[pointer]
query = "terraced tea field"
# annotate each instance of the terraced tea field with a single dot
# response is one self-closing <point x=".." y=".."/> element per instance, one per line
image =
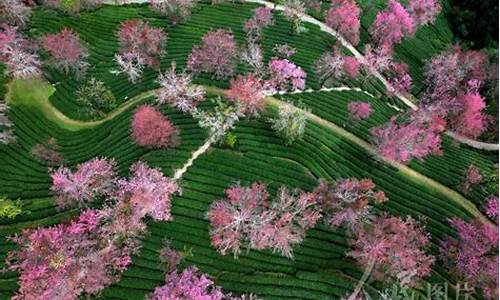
<point x="333" y="147"/>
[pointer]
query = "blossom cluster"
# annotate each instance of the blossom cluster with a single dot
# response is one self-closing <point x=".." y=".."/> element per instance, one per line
<point x="359" y="110"/>
<point x="285" y="75"/>
<point x="261" y="18"/>
<point x="248" y="92"/>
<point x="343" y="16"/>
<point x="149" y="128"/>
<point x="336" y="66"/>
<point x="246" y="218"/>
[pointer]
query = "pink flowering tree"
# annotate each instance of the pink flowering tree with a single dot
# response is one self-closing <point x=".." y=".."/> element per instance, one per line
<point x="177" y="90"/>
<point x="92" y="179"/>
<point x="343" y="17"/>
<point x="48" y="152"/>
<point x="469" y="119"/>
<point x="261" y="18"/>
<point x="391" y="248"/>
<point x="346" y="202"/>
<point x="334" y="66"/>
<point x="14" y="12"/>
<point x="140" y="45"/>
<point x="149" y="128"/>
<point x="177" y="11"/>
<point x="424" y="12"/>
<point x="247" y="92"/>
<point x="472" y="178"/>
<point x="18" y="54"/>
<point x="67" y="260"/>
<point x="216" y="55"/>
<point x="293" y="11"/>
<point x="399" y="78"/>
<point x="6" y="126"/>
<point x="284" y="75"/>
<point x="284" y="51"/>
<point x="473" y="255"/>
<point x="66" y="52"/>
<point x="392" y="25"/>
<point x="359" y="110"/>
<point x="491" y="208"/>
<point x="402" y="142"/>
<point x="247" y="219"/>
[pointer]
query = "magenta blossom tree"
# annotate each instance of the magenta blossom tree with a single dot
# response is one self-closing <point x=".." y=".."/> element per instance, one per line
<point x="343" y="17"/>
<point x="94" y="178"/>
<point x="285" y="75"/>
<point x="399" y="78"/>
<point x="177" y="90"/>
<point x="66" y="52"/>
<point x="359" y="110"/>
<point x="140" y="45"/>
<point x="469" y="119"/>
<point x="247" y="92"/>
<point x="216" y="55"/>
<point x="18" y="54"/>
<point x="393" y="249"/>
<point x="473" y="256"/>
<point x="346" y="202"/>
<point x="392" y="25"/>
<point x="149" y="128"/>
<point x="402" y="142"/>
<point x="247" y="219"/>
<point x="472" y="178"/>
<point x="176" y="10"/>
<point x="424" y="12"/>
<point x="491" y="207"/>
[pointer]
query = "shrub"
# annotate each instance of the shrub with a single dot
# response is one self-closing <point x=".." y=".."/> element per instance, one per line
<point x="9" y="209"/>
<point x="359" y="110"/>
<point x="473" y="257"/>
<point x="346" y="201"/>
<point x="176" y="10"/>
<point x="248" y="93"/>
<point x="394" y="249"/>
<point x="178" y="91"/>
<point x="94" y="178"/>
<point x="290" y="123"/>
<point x="48" y="153"/>
<point x="343" y="17"/>
<point x="149" y="128"/>
<point x="216" y="55"/>
<point x="246" y="218"/>
<point x="96" y="98"/>
<point x="66" y="52"/>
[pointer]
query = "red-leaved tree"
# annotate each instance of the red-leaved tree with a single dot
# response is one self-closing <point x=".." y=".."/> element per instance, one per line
<point x="393" y="249"/>
<point x="66" y="52"/>
<point x="473" y="256"/>
<point x="343" y="17"/>
<point x="149" y="128"/>
<point x="216" y="55"/>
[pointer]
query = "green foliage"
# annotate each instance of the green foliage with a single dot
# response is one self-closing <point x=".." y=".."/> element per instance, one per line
<point x="96" y="98"/>
<point x="9" y="209"/>
<point x="231" y="139"/>
<point x="290" y="123"/>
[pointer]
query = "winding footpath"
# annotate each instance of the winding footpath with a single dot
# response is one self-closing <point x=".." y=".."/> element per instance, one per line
<point x="37" y="93"/>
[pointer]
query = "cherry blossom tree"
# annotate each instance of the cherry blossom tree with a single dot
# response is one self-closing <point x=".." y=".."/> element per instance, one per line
<point x="424" y="12"/>
<point x="399" y="79"/>
<point x="261" y="18"/>
<point x="402" y="142"/>
<point x="392" y="25"/>
<point x="472" y="177"/>
<point x="140" y="45"/>
<point x="290" y="124"/>
<point x="284" y="51"/>
<point x="176" y="10"/>
<point x="14" y="12"/>
<point x="470" y="120"/>
<point x="247" y="219"/>
<point x="294" y="10"/>
<point x="94" y="178"/>
<point x="285" y="75"/>
<point x="473" y="256"/>
<point x="6" y="126"/>
<point x="216" y="55"/>
<point x="18" y="54"/>
<point x="491" y="207"/>
<point x="334" y="66"/>
<point x="393" y="249"/>
<point x="343" y="17"/>
<point x="66" y="52"/>
<point x="248" y="92"/>
<point x="252" y="55"/>
<point x="345" y="202"/>
<point x="178" y="91"/>
<point x="359" y="110"/>
<point x="149" y="128"/>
